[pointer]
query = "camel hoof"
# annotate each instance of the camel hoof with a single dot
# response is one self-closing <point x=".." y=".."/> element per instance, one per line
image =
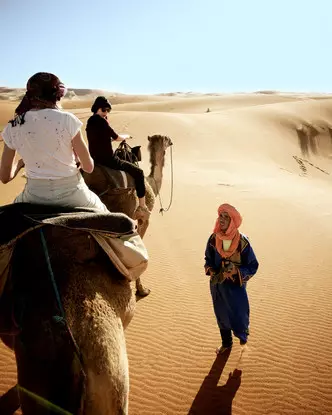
<point x="143" y="292"/>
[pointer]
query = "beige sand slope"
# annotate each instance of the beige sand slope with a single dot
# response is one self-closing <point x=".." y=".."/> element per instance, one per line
<point x="245" y="151"/>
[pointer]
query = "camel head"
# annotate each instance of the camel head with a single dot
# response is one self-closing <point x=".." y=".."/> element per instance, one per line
<point x="157" y="148"/>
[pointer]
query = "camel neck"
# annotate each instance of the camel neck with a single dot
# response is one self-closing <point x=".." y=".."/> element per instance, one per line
<point x="156" y="174"/>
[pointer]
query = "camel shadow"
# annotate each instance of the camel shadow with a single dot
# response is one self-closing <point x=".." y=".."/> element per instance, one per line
<point x="212" y="399"/>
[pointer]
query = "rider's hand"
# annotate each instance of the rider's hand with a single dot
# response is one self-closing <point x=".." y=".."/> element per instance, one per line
<point x="20" y="164"/>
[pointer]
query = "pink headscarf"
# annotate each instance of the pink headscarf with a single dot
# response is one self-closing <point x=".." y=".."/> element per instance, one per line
<point x="232" y="232"/>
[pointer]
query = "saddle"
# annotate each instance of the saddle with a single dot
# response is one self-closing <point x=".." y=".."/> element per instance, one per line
<point x="104" y="180"/>
<point x="114" y="232"/>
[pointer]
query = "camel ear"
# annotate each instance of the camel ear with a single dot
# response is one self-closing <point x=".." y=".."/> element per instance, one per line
<point x="149" y="138"/>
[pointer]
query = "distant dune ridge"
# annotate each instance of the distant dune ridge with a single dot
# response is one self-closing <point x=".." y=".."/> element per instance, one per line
<point x="270" y="154"/>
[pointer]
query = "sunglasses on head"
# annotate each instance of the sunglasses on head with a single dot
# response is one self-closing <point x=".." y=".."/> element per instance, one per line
<point x="106" y="109"/>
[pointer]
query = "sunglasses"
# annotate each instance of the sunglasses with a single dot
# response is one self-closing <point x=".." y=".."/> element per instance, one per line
<point x="106" y="109"/>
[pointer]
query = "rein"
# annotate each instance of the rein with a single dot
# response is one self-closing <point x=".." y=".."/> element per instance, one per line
<point x="162" y="209"/>
<point x="62" y="318"/>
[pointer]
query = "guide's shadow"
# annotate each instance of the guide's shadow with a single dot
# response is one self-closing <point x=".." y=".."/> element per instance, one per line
<point x="212" y="399"/>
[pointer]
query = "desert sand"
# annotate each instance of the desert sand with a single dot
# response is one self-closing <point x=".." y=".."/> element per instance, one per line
<point x="243" y="149"/>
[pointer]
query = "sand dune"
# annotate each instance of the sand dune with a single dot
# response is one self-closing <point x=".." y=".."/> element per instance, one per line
<point x="205" y="103"/>
<point x="83" y="98"/>
<point x="6" y="112"/>
<point x="247" y="151"/>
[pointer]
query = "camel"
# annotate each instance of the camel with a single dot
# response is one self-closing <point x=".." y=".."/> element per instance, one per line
<point x="118" y="197"/>
<point x="84" y="370"/>
<point x="78" y="364"/>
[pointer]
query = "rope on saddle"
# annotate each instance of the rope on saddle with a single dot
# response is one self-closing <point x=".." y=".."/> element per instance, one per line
<point x="62" y="318"/>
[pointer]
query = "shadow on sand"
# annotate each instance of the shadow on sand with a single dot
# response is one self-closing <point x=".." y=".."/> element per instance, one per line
<point x="310" y="137"/>
<point x="212" y="399"/>
<point x="307" y="134"/>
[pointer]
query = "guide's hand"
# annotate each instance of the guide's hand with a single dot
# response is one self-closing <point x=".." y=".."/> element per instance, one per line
<point x="228" y="275"/>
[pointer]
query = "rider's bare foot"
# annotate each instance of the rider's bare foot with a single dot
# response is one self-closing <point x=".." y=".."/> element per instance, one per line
<point x="142" y="212"/>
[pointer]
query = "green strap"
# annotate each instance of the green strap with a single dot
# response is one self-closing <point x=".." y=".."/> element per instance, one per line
<point x="60" y="319"/>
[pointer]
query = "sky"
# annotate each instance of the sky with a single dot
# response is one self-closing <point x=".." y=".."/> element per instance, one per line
<point x="154" y="46"/>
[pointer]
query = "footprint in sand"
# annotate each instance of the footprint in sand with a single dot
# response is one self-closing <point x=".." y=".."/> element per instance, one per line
<point x="304" y="169"/>
<point x="302" y="165"/>
<point x="244" y="353"/>
<point x="316" y="167"/>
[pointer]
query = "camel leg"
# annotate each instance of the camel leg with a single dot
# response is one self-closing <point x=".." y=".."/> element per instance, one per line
<point x="142" y="291"/>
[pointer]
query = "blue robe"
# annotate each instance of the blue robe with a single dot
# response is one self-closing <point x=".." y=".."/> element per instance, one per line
<point x="230" y="299"/>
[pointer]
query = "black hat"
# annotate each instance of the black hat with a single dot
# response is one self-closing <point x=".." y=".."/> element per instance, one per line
<point x="100" y="102"/>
